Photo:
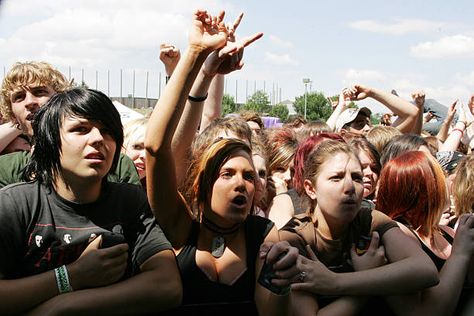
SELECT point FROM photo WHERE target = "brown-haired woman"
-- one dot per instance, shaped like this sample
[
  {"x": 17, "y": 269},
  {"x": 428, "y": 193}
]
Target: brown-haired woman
[
  {"x": 220, "y": 248},
  {"x": 333, "y": 180}
]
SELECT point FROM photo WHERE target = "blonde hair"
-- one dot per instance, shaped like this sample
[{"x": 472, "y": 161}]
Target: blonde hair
[
  {"x": 26, "y": 74},
  {"x": 380, "y": 135},
  {"x": 134, "y": 130},
  {"x": 463, "y": 188}
]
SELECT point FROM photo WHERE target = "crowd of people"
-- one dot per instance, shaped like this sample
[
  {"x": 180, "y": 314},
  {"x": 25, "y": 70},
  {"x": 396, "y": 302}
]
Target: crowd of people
[{"x": 187, "y": 212}]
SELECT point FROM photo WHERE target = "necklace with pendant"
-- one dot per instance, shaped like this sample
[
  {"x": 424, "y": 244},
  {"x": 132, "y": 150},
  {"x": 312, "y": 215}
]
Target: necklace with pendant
[{"x": 218, "y": 242}]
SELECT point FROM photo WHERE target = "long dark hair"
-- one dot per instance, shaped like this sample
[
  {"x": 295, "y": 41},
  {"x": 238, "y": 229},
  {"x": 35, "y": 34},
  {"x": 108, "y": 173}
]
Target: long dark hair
[{"x": 89, "y": 104}]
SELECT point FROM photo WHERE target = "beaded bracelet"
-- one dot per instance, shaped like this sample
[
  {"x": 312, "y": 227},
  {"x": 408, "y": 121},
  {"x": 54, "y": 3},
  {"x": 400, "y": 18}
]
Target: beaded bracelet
[{"x": 62, "y": 280}]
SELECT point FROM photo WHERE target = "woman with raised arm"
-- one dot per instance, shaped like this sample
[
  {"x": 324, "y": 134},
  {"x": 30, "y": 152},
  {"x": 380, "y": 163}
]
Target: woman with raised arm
[
  {"x": 215, "y": 239},
  {"x": 326, "y": 235}
]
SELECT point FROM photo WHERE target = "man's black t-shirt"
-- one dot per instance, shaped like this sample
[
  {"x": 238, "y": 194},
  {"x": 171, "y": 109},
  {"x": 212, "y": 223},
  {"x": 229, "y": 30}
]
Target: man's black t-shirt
[{"x": 40, "y": 231}]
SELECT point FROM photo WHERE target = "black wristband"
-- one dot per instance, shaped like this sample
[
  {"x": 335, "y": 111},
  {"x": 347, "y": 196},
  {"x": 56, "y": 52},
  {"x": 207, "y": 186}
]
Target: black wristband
[
  {"x": 197, "y": 99},
  {"x": 167, "y": 78}
]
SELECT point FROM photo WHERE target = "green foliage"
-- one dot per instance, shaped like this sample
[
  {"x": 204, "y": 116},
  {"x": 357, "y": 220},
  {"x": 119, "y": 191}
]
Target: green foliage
[
  {"x": 351, "y": 104},
  {"x": 376, "y": 118},
  {"x": 258, "y": 102},
  {"x": 317, "y": 107},
  {"x": 228, "y": 104},
  {"x": 280, "y": 111}
]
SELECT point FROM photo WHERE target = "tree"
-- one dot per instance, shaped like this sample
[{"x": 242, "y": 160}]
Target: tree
[
  {"x": 258, "y": 102},
  {"x": 228, "y": 104},
  {"x": 317, "y": 106},
  {"x": 280, "y": 111}
]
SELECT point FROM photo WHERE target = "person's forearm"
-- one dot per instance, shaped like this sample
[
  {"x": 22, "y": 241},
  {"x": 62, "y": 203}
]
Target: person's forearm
[
  {"x": 346, "y": 305},
  {"x": 17, "y": 296},
  {"x": 188, "y": 124},
  {"x": 404, "y": 276},
  {"x": 442, "y": 299},
  {"x": 213, "y": 104},
  {"x": 454, "y": 139},
  {"x": 444, "y": 128},
  {"x": 163, "y": 123},
  {"x": 154, "y": 290},
  {"x": 407, "y": 113},
  {"x": 331, "y": 121}
]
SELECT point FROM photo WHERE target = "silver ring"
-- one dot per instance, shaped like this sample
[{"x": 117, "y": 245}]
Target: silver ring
[{"x": 302, "y": 276}]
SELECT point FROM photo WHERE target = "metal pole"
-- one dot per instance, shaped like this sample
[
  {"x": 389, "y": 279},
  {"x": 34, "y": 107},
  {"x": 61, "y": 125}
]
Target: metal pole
[
  {"x": 146, "y": 90},
  {"x": 121, "y": 96},
  {"x": 108, "y": 82},
  {"x": 133, "y": 90},
  {"x": 246, "y": 90},
  {"x": 305, "y": 98},
  {"x": 82, "y": 77},
  {"x": 236, "y": 82},
  {"x": 159, "y": 86},
  {"x": 96, "y": 79},
  {"x": 69, "y": 74}
]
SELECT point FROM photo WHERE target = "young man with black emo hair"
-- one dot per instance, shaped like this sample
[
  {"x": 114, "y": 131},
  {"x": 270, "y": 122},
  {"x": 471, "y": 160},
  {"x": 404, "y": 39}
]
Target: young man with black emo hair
[
  {"x": 71, "y": 241},
  {"x": 25, "y": 89}
]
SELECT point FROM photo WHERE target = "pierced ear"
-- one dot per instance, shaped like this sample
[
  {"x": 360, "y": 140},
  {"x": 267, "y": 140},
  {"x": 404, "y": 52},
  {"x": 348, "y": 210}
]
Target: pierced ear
[{"x": 309, "y": 188}]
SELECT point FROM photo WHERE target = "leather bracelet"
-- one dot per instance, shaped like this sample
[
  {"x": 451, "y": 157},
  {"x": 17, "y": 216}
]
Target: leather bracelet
[{"x": 197, "y": 99}]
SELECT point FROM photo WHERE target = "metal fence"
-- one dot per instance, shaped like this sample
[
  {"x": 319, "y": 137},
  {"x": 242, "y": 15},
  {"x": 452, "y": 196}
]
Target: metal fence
[{"x": 140, "y": 88}]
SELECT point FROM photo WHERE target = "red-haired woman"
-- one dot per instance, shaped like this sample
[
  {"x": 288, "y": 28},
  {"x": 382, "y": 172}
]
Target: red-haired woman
[
  {"x": 293, "y": 202},
  {"x": 413, "y": 191},
  {"x": 220, "y": 248}
]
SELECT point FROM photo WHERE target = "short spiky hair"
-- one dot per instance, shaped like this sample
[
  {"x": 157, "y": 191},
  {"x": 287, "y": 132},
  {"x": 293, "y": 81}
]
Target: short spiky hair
[
  {"x": 83, "y": 103},
  {"x": 25, "y": 74}
]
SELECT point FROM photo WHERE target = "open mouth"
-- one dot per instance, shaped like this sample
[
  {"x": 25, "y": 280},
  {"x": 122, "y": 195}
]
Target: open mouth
[
  {"x": 239, "y": 200},
  {"x": 30, "y": 117}
]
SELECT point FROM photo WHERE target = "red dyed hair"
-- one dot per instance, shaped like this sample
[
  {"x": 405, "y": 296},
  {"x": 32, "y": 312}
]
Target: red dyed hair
[
  {"x": 412, "y": 188},
  {"x": 303, "y": 151}
]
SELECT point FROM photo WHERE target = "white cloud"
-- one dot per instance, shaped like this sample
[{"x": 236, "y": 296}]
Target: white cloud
[
  {"x": 363, "y": 75},
  {"x": 280, "y": 60},
  {"x": 94, "y": 33},
  {"x": 466, "y": 79},
  {"x": 399, "y": 27},
  {"x": 457, "y": 46},
  {"x": 280, "y": 42}
]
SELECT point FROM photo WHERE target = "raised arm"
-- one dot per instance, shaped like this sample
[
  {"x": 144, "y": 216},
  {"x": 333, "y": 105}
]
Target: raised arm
[
  {"x": 340, "y": 107},
  {"x": 443, "y": 130},
  {"x": 169, "y": 56},
  {"x": 407, "y": 113},
  {"x": 419, "y": 100},
  {"x": 199, "y": 109},
  {"x": 207, "y": 34},
  {"x": 454, "y": 138}
]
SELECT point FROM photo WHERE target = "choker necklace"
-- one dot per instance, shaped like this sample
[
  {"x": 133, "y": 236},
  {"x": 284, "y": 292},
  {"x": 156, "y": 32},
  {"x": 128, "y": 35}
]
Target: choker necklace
[{"x": 218, "y": 242}]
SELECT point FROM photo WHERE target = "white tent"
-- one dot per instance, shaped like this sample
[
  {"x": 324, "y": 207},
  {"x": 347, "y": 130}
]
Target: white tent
[{"x": 126, "y": 113}]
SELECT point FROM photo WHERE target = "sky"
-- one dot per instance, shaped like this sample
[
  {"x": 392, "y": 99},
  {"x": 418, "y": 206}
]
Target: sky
[{"x": 401, "y": 45}]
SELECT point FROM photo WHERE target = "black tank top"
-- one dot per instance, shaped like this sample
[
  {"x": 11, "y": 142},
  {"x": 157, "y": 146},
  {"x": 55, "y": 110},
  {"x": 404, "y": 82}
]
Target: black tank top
[{"x": 200, "y": 293}]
